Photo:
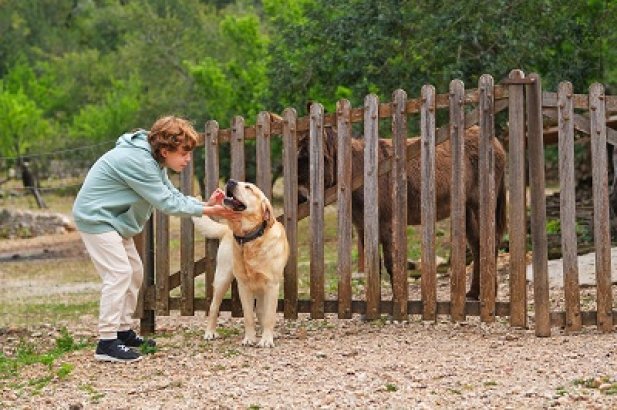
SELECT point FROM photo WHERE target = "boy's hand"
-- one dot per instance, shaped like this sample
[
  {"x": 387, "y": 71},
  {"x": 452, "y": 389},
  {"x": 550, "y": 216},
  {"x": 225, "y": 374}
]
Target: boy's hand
[
  {"x": 217, "y": 197},
  {"x": 222, "y": 212}
]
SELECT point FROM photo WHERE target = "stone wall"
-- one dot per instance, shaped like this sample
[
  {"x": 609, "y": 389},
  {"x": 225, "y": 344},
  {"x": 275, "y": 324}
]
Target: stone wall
[{"x": 27, "y": 224}]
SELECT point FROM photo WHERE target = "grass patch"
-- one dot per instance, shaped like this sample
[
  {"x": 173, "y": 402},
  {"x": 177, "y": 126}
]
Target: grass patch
[
  {"x": 28, "y": 354},
  {"x": 27, "y": 312}
]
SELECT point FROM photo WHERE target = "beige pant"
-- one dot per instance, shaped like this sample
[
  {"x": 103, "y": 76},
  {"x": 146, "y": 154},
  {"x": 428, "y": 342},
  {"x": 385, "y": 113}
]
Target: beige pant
[{"x": 118, "y": 263}]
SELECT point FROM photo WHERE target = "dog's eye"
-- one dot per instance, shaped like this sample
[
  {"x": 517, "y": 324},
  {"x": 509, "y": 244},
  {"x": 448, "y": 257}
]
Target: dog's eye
[{"x": 248, "y": 187}]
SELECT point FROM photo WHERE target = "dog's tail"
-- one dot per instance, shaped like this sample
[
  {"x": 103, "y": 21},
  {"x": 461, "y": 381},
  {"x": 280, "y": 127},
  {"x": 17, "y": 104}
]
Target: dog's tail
[{"x": 210, "y": 228}]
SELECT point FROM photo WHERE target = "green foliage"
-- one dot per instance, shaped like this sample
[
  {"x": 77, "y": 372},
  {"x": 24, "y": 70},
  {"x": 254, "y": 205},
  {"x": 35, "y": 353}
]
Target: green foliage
[
  {"x": 95, "y": 69},
  {"x": 22, "y": 124},
  {"x": 111, "y": 117},
  {"x": 371, "y": 46}
]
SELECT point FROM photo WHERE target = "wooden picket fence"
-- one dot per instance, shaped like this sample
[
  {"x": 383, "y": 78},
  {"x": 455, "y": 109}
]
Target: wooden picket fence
[{"x": 527, "y": 106}]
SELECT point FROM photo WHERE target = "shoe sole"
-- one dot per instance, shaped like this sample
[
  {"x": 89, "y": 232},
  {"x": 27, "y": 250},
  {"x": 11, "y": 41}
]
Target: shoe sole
[{"x": 107, "y": 358}]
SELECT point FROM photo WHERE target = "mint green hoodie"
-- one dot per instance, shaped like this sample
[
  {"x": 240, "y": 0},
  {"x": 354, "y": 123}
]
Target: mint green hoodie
[{"x": 123, "y": 186}]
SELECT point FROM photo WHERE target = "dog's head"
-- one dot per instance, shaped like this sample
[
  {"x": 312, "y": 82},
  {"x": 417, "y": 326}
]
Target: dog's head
[{"x": 251, "y": 202}]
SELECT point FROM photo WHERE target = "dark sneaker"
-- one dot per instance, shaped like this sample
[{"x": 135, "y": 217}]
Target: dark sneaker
[
  {"x": 115, "y": 351},
  {"x": 131, "y": 339}
]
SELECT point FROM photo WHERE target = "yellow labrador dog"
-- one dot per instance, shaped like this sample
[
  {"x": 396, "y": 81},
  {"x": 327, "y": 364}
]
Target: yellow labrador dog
[{"x": 254, "y": 250}]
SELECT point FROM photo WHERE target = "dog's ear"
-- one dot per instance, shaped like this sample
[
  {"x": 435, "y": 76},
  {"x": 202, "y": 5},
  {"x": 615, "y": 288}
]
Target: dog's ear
[{"x": 266, "y": 210}]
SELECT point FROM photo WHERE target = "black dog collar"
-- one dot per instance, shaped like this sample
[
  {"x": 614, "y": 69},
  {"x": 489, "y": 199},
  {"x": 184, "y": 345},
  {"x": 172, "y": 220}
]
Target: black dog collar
[{"x": 253, "y": 235}]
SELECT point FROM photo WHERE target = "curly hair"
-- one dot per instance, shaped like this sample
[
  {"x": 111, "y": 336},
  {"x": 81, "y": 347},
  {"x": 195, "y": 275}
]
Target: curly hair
[{"x": 170, "y": 133}]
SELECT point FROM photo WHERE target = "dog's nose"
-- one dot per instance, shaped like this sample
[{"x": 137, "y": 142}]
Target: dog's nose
[{"x": 229, "y": 187}]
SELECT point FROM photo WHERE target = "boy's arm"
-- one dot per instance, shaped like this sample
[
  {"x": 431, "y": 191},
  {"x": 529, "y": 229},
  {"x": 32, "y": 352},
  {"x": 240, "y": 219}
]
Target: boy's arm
[{"x": 148, "y": 180}]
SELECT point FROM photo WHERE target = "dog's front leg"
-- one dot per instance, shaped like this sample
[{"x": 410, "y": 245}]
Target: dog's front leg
[
  {"x": 268, "y": 315},
  {"x": 222, "y": 279},
  {"x": 248, "y": 301}
]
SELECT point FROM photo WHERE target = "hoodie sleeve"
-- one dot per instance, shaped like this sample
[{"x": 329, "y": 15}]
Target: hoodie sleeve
[{"x": 149, "y": 181}]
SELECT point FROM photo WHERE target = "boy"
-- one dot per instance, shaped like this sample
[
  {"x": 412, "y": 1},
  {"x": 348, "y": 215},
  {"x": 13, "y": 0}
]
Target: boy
[{"x": 114, "y": 203}]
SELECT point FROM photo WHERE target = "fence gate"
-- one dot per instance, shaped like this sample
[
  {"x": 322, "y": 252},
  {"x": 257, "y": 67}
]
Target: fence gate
[{"x": 534, "y": 118}]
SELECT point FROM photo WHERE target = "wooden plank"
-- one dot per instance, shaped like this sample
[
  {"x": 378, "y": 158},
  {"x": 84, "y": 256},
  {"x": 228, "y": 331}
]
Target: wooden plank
[
  {"x": 317, "y": 267},
  {"x": 413, "y": 307},
  {"x": 398, "y": 177},
  {"x": 344, "y": 232},
  {"x": 145, "y": 308},
  {"x": 290, "y": 209},
  {"x": 162, "y": 263},
  {"x": 187, "y": 248},
  {"x": 238, "y": 173},
  {"x": 601, "y": 223},
  {"x": 567, "y": 207},
  {"x": 581, "y": 124},
  {"x": 486, "y": 168},
  {"x": 428, "y": 214},
  {"x": 371, "y": 211},
  {"x": 264, "y": 162},
  {"x": 458, "y": 241},
  {"x": 211, "y": 166},
  {"x": 517, "y": 204},
  {"x": 236, "y": 145},
  {"x": 579, "y": 101},
  {"x": 538, "y": 207}
]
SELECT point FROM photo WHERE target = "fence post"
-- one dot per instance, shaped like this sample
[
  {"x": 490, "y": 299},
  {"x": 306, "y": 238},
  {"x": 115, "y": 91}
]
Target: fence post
[
  {"x": 428, "y": 214},
  {"x": 400, "y": 290},
  {"x": 211, "y": 166},
  {"x": 290, "y": 205},
  {"x": 601, "y": 223},
  {"x": 458, "y": 282},
  {"x": 144, "y": 242},
  {"x": 371, "y": 211},
  {"x": 517, "y": 226},
  {"x": 187, "y": 249},
  {"x": 344, "y": 177},
  {"x": 162, "y": 262},
  {"x": 238, "y": 173},
  {"x": 317, "y": 211},
  {"x": 538, "y": 206},
  {"x": 264, "y": 162},
  {"x": 486, "y": 168},
  {"x": 567, "y": 205}
]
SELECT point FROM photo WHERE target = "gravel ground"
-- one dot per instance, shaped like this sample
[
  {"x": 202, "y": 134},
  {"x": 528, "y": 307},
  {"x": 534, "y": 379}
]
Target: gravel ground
[{"x": 333, "y": 364}]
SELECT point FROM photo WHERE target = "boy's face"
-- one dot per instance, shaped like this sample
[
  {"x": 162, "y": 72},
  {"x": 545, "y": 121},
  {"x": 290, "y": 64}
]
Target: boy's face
[{"x": 176, "y": 160}]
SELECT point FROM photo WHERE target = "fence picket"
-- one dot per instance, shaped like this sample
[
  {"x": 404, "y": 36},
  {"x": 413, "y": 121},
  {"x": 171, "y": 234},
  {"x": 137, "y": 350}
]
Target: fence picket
[
  {"x": 317, "y": 211},
  {"x": 162, "y": 263},
  {"x": 371, "y": 212},
  {"x": 428, "y": 214},
  {"x": 343, "y": 125},
  {"x": 458, "y": 277},
  {"x": 238, "y": 173},
  {"x": 601, "y": 225},
  {"x": 567, "y": 206},
  {"x": 211, "y": 164},
  {"x": 264, "y": 162},
  {"x": 187, "y": 248},
  {"x": 399, "y": 199},
  {"x": 517, "y": 224},
  {"x": 290, "y": 206},
  {"x": 486, "y": 168},
  {"x": 538, "y": 206}
]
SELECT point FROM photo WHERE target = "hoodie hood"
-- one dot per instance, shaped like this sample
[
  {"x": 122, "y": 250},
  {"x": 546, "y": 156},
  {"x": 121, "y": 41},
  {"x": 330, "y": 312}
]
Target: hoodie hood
[{"x": 138, "y": 139}]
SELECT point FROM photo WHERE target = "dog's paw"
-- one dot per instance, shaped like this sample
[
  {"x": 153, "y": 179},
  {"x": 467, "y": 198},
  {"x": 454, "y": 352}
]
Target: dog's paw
[
  {"x": 210, "y": 335},
  {"x": 266, "y": 342},
  {"x": 248, "y": 341}
]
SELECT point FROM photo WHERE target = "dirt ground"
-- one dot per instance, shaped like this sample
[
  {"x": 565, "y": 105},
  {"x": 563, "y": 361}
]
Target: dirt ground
[{"x": 327, "y": 363}]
